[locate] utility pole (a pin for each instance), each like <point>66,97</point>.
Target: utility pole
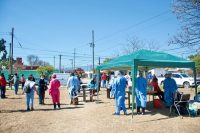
<point>92,45</point>
<point>54,60</point>
<point>99,61</point>
<point>10,57</point>
<point>60,63</point>
<point>71,62</point>
<point>11,51</point>
<point>74,57</point>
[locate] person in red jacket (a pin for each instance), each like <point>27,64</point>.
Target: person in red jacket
<point>103,80</point>
<point>3,85</point>
<point>22,81</point>
<point>154,84</point>
<point>54,91</point>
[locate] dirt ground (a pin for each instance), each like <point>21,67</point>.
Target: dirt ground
<point>87,117</point>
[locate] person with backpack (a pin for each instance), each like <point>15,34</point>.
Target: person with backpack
<point>29,88</point>
<point>54,91</point>
<point>3,86</point>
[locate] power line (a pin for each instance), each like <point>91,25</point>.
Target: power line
<point>149,26</point>
<point>133,26</point>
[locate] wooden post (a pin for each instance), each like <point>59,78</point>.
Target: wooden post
<point>129,102</point>
<point>84,96</point>
<point>91,95</point>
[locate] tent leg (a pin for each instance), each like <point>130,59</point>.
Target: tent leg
<point>97,84</point>
<point>195,81</point>
<point>133,75</point>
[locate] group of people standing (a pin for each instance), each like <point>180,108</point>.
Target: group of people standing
<point>15,80</point>
<point>120,83</point>
<point>169,86</point>
<point>29,88</point>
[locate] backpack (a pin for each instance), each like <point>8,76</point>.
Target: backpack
<point>27,88</point>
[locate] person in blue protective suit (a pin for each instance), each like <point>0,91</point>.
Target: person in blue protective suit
<point>170,88</point>
<point>73,86</point>
<point>141,93</point>
<point>118,91</point>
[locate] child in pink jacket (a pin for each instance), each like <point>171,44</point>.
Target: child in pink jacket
<point>54,91</point>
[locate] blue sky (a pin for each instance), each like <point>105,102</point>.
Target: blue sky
<point>48,28</point>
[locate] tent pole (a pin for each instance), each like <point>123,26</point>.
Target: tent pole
<point>195,81</point>
<point>133,75</point>
<point>97,82</point>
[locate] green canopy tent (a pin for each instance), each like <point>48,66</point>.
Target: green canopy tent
<point>145,58</point>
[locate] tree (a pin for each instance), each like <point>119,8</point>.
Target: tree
<point>45,70</point>
<point>33,59</point>
<point>135,44</point>
<point>106,60</point>
<point>196,59</point>
<point>188,12</point>
<point>3,49</point>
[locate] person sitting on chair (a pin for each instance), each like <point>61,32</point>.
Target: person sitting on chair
<point>154,84</point>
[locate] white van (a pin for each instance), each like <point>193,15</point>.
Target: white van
<point>62,77</point>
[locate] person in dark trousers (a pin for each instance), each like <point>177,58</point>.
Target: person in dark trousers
<point>15,80</point>
<point>22,81</point>
<point>41,89</point>
<point>3,86</point>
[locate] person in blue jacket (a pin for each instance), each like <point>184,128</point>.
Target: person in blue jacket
<point>118,91</point>
<point>141,93</point>
<point>170,88</point>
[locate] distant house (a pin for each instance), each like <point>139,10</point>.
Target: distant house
<point>18,65</point>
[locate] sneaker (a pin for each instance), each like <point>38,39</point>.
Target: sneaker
<point>142,113</point>
<point>138,113</point>
<point>32,108</point>
<point>28,109</point>
<point>115,113</point>
<point>125,113</point>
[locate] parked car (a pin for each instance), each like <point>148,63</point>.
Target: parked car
<point>182,80</point>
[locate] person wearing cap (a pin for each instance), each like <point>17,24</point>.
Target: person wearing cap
<point>170,88</point>
<point>73,86</point>
<point>141,93</point>
<point>54,91</point>
<point>118,91</point>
